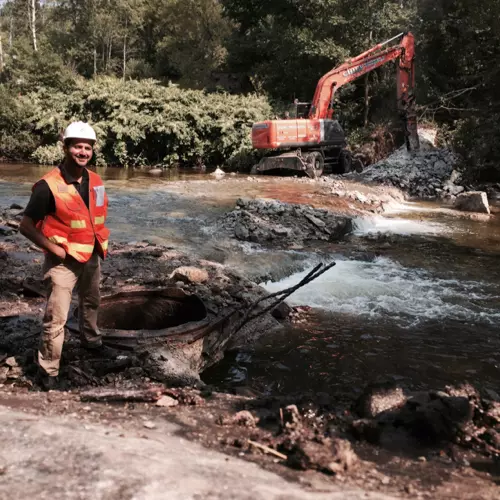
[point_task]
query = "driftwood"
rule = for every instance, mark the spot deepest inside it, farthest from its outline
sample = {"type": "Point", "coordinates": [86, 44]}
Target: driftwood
{"type": "Point", "coordinates": [282, 295]}
{"type": "Point", "coordinates": [267, 449]}
{"type": "Point", "coordinates": [104, 395]}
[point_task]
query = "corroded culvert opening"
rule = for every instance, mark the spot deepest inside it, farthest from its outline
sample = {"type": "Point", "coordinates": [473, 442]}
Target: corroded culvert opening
{"type": "Point", "coordinates": [148, 312]}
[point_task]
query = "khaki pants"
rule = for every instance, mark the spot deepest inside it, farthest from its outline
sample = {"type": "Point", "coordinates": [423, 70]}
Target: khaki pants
{"type": "Point", "coordinates": [60, 279]}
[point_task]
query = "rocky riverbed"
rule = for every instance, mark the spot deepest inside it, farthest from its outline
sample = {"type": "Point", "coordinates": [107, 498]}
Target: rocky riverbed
{"type": "Point", "coordinates": [391, 439]}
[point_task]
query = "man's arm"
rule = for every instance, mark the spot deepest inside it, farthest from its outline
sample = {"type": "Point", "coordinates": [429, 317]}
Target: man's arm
{"type": "Point", "coordinates": [40, 205]}
{"type": "Point", "coordinates": [30, 231]}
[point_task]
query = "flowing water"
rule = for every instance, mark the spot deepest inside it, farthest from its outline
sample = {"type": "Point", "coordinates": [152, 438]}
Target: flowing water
{"type": "Point", "coordinates": [415, 295]}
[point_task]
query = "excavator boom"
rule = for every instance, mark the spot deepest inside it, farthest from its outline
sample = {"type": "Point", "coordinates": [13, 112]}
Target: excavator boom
{"type": "Point", "coordinates": [352, 69]}
{"type": "Point", "coordinates": [320, 134]}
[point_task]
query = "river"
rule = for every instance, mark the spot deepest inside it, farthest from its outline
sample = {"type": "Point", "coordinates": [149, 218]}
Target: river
{"type": "Point", "coordinates": [414, 297]}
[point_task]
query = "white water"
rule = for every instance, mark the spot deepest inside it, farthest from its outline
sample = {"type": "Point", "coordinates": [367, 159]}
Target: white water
{"type": "Point", "coordinates": [379, 224]}
{"type": "Point", "coordinates": [383, 288]}
{"type": "Point", "coordinates": [399, 225]}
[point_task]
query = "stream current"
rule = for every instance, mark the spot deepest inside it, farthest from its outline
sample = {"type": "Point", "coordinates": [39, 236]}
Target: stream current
{"type": "Point", "coordinates": [414, 297]}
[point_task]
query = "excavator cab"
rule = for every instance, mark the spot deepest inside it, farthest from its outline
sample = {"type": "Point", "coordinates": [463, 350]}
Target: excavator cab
{"type": "Point", "coordinates": [302, 109]}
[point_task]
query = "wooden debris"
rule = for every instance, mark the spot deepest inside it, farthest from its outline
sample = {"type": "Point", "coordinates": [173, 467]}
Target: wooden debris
{"type": "Point", "coordinates": [105, 395]}
{"type": "Point", "coordinates": [267, 449]}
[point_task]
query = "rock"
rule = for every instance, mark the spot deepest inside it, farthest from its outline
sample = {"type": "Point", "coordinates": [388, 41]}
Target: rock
{"type": "Point", "coordinates": [241, 232]}
{"type": "Point", "coordinates": [3, 373]}
{"type": "Point", "coordinates": [218, 173]}
{"type": "Point", "coordinates": [367, 430]}
{"type": "Point", "coordinates": [11, 362]}
{"type": "Point", "coordinates": [291, 417]}
{"type": "Point", "coordinates": [6, 231]}
{"type": "Point", "coordinates": [435, 417]}
{"type": "Point", "coordinates": [155, 171]}
{"type": "Point", "coordinates": [473, 201]}
{"type": "Point", "coordinates": [244, 418]}
{"type": "Point", "coordinates": [190, 274]}
{"type": "Point", "coordinates": [281, 311]}
{"type": "Point", "coordinates": [333, 456]}
{"type": "Point", "coordinates": [15, 206]}
{"type": "Point", "coordinates": [166, 402]}
{"type": "Point", "coordinates": [314, 220]}
{"type": "Point", "coordinates": [377, 398]}
{"type": "Point", "coordinates": [149, 425]}
{"type": "Point", "coordinates": [282, 231]}
{"type": "Point", "coordinates": [15, 372]}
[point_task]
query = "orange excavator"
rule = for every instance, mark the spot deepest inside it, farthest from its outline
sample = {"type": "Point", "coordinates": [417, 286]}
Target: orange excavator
{"type": "Point", "coordinates": [316, 142]}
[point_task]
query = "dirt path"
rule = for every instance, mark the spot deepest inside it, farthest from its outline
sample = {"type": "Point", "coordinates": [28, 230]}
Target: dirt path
{"type": "Point", "coordinates": [66, 458]}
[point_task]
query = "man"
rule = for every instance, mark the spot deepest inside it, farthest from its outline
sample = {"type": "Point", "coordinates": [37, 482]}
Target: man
{"type": "Point", "coordinates": [65, 217]}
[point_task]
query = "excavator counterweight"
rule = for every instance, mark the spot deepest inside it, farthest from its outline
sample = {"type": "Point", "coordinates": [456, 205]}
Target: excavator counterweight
{"type": "Point", "coordinates": [317, 142]}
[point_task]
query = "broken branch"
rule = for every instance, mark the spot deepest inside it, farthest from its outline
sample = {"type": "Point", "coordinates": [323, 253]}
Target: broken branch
{"type": "Point", "coordinates": [266, 449]}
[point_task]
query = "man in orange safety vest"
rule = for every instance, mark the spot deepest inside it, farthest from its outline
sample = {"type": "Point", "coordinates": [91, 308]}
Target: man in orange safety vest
{"type": "Point", "coordinates": [66, 217]}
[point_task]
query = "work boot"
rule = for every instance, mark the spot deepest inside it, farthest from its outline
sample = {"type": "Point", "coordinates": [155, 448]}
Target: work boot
{"type": "Point", "coordinates": [101, 351]}
{"type": "Point", "coordinates": [46, 382]}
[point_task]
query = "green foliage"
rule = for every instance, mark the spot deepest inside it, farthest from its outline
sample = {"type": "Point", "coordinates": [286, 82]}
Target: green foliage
{"type": "Point", "coordinates": [277, 48]}
{"type": "Point", "coordinates": [48, 155]}
{"type": "Point", "coordinates": [459, 52]}
{"type": "Point", "coordinates": [146, 123]}
{"type": "Point", "coordinates": [16, 137]}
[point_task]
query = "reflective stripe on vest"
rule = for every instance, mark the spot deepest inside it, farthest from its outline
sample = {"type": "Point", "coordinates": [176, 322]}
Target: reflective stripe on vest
{"type": "Point", "coordinates": [73, 226]}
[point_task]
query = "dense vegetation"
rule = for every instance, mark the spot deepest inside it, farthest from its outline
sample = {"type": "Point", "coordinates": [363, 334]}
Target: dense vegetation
{"type": "Point", "coordinates": [182, 80]}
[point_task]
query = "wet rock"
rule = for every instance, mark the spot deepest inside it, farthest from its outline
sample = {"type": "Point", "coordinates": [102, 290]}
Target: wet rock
{"type": "Point", "coordinates": [332, 456]}
{"type": "Point", "coordinates": [281, 311]}
{"type": "Point", "coordinates": [314, 220]}
{"type": "Point", "coordinates": [241, 232]}
{"type": "Point", "coordinates": [6, 231]}
{"type": "Point", "coordinates": [378, 398]}
{"type": "Point", "coordinates": [15, 206]}
{"type": "Point", "coordinates": [273, 222]}
{"type": "Point", "coordinates": [190, 274]}
{"type": "Point", "coordinates": [155, 171]}
{"type": "Point", "coordinates": [218, 173]}
{"type": "Point", "coordinates": [474, 201]}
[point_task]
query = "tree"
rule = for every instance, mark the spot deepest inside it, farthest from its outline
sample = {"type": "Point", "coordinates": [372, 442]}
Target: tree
{"type": "Point", "coordinates": [32, 7]}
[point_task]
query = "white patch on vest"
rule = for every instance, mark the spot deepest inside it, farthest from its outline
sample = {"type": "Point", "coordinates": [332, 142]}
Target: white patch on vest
{"type": "Point", "coordinates": [99, 196]}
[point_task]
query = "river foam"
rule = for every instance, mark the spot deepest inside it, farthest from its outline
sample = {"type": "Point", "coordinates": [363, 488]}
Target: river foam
{"type": "Point", "coordinates": [383, 288]}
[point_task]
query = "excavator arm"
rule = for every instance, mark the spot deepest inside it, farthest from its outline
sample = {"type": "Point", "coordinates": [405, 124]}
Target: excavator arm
{"type": "Point", "coordinates": [352, 69]}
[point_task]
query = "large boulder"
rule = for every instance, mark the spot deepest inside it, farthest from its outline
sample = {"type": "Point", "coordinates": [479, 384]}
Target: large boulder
{"type": "Point", "coordinates": [473, 201]}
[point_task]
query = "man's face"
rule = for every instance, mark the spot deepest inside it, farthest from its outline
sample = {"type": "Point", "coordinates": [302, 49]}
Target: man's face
{"type": "Point", "coordinates": [79, 151]}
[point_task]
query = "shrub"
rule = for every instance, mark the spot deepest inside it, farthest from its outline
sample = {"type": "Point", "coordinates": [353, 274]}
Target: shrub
{"type": "Point", "coordinates": [147, 123]}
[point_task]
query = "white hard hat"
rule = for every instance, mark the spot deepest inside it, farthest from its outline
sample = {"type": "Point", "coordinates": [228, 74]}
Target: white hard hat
{"type": "Point", "coordinates": [79, 130]}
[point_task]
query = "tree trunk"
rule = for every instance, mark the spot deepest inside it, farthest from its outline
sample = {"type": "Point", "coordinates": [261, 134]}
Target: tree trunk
{"type": "Point", "coordinates": [124, 57]}
{"type": "Point", "coordinates": [367, 90]}
{"type": "Point", "coordinates": [11, 31]}
{"type": "Point", "coordinates": [1, 54]}
{"type": "Point", "coordinates": [32, 22]}
{"type": "Point", "coordinates": [95, 61]}
{"type": "Point", "coordinates": [110, 48]}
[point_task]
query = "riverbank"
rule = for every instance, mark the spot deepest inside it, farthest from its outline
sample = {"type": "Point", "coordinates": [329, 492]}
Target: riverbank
{"type": "Point", "coordinates": [321, 368]}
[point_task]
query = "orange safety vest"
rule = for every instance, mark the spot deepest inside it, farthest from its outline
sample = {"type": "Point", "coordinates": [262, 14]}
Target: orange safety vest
{"type": "Point", "coordinates": [73, 226]}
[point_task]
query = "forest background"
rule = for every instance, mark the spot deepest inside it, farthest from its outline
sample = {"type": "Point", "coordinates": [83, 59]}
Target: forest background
{"type": "Point", "coordinates": [181, 81]}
